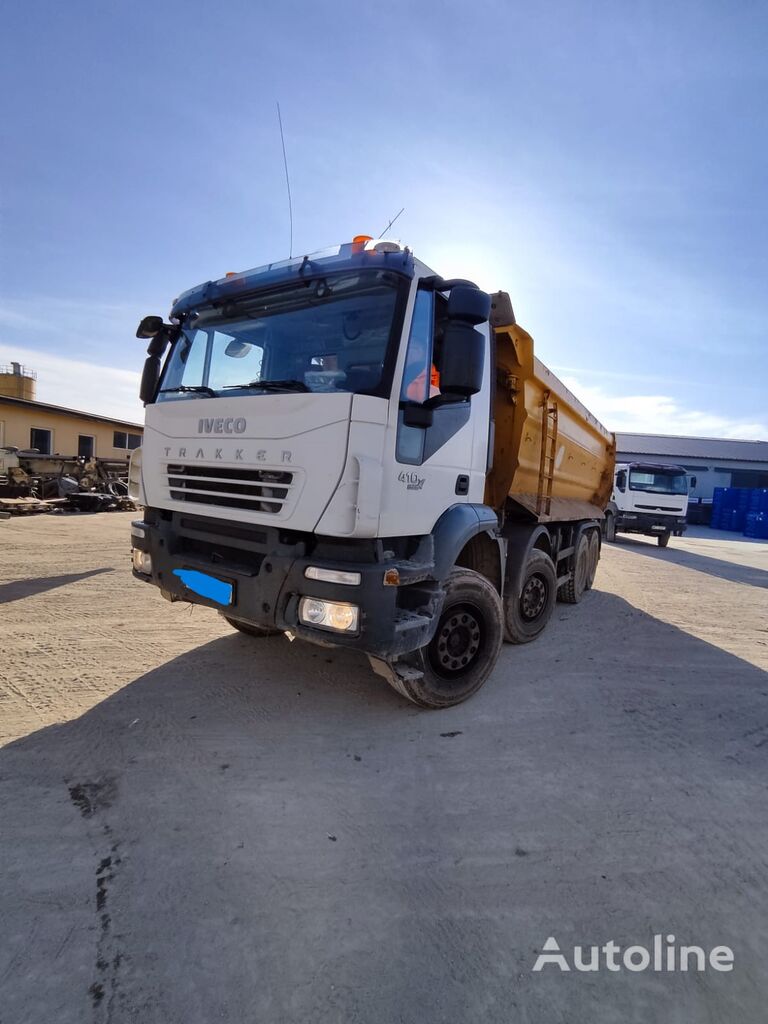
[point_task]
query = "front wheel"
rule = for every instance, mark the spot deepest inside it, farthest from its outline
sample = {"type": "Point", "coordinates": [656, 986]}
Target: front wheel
{"type": "Point", "coordinates": [464, 649]}
{"type": "Point", "coordinates": [663, 539]}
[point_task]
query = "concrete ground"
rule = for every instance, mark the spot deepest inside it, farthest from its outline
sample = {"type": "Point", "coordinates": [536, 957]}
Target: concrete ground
{"type": "Point", "coordinates": [200, 827]}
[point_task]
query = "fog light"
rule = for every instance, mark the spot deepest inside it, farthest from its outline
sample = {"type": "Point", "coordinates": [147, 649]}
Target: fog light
{"type": "Point", "coordinates": [142, 562]}
{"type": "Point", "coordinates": [350, 579]}
{"type": "Point", "coordinates": [342, 618]}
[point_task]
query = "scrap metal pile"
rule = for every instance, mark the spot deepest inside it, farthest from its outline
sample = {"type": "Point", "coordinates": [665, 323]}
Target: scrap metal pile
{"type": "Point", "coordinates": [31, 482]}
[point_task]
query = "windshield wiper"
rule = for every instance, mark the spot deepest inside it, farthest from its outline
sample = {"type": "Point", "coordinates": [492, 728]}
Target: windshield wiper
{"type": "Point", "coordinates": [198, 389]}
{"type": "Point", "coordinates": [272, 385]}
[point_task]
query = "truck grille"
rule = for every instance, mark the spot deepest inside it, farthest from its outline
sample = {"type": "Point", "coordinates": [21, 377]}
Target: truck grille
{"type": "Point", "coordinates": [257, 490]}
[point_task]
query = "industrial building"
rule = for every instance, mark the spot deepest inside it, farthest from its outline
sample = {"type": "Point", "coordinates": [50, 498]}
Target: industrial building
{"type": "Point", "coordinates": [715, 462]}
{"type": "Point", "coordinates": [26, 423]}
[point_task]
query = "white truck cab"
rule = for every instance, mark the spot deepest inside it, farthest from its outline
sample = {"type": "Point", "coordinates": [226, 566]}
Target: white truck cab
{"type": "Point", "coordinates": [318, 441]}
{"type": "Point", "coordinates": [649, 499]}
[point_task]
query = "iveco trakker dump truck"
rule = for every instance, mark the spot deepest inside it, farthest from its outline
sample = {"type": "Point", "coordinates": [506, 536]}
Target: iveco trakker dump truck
{"type": "Point", "coordinates": [648, 499]}
{"type": "Point", "coordinates": [349, 449]}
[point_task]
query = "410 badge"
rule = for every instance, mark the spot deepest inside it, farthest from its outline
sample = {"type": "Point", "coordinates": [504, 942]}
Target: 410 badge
{"type": "Point", "coordinates": [412, 481]}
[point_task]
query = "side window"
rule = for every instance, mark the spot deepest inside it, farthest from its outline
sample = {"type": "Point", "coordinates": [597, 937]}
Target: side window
{"type": "Point", "coordinates": [418, 359]}
{"type": "Point", "coordinates": [416, 378]}
{"type": "Point", "coordinates": [421, 380]}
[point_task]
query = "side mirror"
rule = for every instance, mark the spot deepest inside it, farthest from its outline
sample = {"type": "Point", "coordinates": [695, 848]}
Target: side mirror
{"type": "Point", "coordinates": [149, 327]}
{"type": "Point", "coordinates": [693, 482]}
{"type": "Point", "coordinates": [150, 378]}
{"type": "Point", "coordinates": [621, 480]}
{"type": "Point", "coordinates": [415, 415]}
{"type": "Point", "coordinates": [462, 360]}
{"type": "Point", "coordinates": [468, 305]}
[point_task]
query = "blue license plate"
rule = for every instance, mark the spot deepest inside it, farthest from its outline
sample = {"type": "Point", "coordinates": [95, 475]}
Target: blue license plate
{"type": "Point", "coordinates": [206, 586]}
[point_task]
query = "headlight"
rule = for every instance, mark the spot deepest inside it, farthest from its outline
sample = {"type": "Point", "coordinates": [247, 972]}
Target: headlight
{"type": "Point", "coordinates": [343, 618]}
{"type": "Point", "coordinates": [135, 490]}
{"type": "Point", "coordinates": [142, 562]}
{"type": "Point", "coordinates": [350, 579]}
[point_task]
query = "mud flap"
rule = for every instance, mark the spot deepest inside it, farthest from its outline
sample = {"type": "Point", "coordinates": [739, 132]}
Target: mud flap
{"type": "Point", "coordinates": [395, 672]}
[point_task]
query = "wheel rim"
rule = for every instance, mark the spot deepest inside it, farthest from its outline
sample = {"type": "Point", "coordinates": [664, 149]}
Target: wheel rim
{"type": "Point", "coordinates": [533, 599]}
{"type": "Point", "coordinates": [457, 642]}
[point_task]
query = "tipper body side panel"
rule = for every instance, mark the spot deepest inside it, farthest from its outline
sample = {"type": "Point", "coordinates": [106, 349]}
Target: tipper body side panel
{"type": "Point", "coordinates": [551, 456]}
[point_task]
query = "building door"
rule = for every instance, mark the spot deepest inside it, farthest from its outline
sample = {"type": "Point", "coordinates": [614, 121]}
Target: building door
{"type": "Point", "coordinates": [85, 445]}
{"type": "Point", "coordinates": [41, 440]}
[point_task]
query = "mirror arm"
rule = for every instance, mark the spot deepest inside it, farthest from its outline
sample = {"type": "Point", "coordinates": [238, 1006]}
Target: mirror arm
{"type": "Point", "coordinates": [439, 284]}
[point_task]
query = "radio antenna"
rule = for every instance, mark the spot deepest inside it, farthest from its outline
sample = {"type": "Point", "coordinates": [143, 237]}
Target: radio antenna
{"type": "Point", "coordinates": [288, 183]}
{"type": "Point", "coordinates": [386, 229]}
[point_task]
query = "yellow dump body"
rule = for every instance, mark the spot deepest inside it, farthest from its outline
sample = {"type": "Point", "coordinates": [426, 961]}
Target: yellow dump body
{"type": "Point", "coordinates": [551, 456]}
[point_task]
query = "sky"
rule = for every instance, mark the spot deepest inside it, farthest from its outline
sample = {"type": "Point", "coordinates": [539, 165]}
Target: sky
{"type": "Point", "coordinates": [604, 163]}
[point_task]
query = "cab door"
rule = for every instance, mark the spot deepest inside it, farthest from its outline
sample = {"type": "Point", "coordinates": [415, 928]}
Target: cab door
{"type": "Point", "coordinates": [444, 461]}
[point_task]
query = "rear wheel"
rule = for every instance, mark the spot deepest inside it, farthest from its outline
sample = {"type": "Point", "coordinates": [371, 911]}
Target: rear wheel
{"type": "Point", "coordinates": [465, 647]}
{"type": "Point", "coordinates": [250, 628]}
{"type": "Point", "coordinates": [594, 557]}
{"type": "Point", "coordinates": [573, 591]}
{"type": "Point", "coordinates": [663, 539]}
{"type": "Point", "coordinates": [526, 615]}
{"type": "Point", "coordinates": [610, 527]}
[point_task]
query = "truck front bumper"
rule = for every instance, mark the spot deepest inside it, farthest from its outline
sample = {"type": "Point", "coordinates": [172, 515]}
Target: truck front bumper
{"type": "Point", "coordinates": [650, 523]}
{"type": "Point", "coordinates": [258, 576]}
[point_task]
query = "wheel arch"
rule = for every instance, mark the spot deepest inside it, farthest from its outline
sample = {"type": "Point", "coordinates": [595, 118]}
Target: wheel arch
{"type": "Point", "coordinates": [521, 540]}
{"type": "Point", "coordinates": [467, 536]}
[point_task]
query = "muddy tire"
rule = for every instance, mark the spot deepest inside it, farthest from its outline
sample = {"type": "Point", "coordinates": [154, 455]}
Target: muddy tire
{"type": "Point", "coordinates": [609, 528]}
{"type": "Point", "coordinates": [594, 557]}
{"type": "Point", "coordinates": [573, 591]}
{"type": "Point", "coordinates": [464, 649]}
{"type": "Point", "coordinates": [526, 614]}
{"type": "Point", "coordinates": [663, 539]}
{"type": "Point", "coordinates": [250, 629]}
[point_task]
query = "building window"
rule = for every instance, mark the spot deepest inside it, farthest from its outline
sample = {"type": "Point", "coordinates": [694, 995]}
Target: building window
{"type": "Point", "coordinates": [86, 445]}
{"type": "Point", "coordinates": [696, 469]}
{"type": "Point", "coordinates": [41, 439]}
{"type": "Point", "coordinates": [128, 441]}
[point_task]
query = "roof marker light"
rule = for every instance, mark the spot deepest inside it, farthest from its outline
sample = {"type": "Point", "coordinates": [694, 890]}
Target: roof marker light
{"type": "Point", "coordinates": [382, 245]}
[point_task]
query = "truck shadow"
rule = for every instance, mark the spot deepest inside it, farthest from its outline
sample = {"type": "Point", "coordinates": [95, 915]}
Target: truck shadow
{"type": "Point", "coordinates": [18, 589]}
{"type": "Point", "coordinates": [718, 567]}
{"type": "Point", "coordinates": [216, 838]}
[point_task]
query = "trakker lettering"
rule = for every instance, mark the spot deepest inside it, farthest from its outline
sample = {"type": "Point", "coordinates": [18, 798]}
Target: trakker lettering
{"type": "Point", "coordinates": [234, 455]}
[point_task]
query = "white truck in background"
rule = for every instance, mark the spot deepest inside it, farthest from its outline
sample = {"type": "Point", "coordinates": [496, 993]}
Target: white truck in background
{"type": "Point", "coordinates": [649, 499]}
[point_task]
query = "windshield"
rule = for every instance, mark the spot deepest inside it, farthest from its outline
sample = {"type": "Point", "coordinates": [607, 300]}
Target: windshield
{"type": "Point", "coordinates": [658, 481]}
{"type": "Point", "coordinates": [324, 335]}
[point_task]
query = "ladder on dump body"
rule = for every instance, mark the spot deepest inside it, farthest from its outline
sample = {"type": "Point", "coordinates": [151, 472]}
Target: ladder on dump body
{"type": "Point", "coordinates": [548, 453]}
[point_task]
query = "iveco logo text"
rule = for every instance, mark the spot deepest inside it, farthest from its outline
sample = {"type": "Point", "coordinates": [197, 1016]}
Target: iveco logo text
{"type": "Point", "coordinates": [221, 426]}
